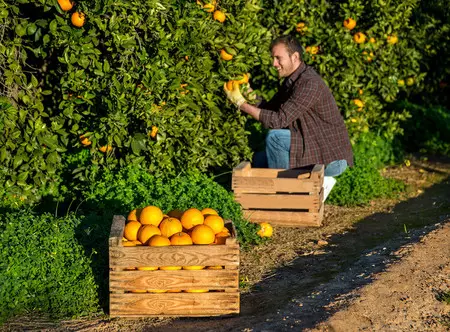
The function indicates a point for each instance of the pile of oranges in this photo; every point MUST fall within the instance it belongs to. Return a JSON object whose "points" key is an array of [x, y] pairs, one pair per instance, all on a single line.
{"points": [[151, 227]]}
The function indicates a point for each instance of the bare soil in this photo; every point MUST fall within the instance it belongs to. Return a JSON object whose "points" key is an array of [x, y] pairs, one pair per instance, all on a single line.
{"points": [[382, 267]]}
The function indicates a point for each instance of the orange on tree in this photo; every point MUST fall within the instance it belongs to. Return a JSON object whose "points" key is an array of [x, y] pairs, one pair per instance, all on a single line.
{"points": [[359, 38], [180, 239], [146, 232], [401, 83], [202, 234], [409, 81], [209, 8], [372, 40], [151, 215], [65, 5], [266, 229], [312, 49], [131, 230], [360, 91], [301, 27], [191, 217], [215, 222], [349, 23], [158, 241], [392, 39], [105, 148], [78, 19], [154, 132], [134, 215], [170, 226], [225, 56], [207, 211], [85, 141], [359, 103], [219, 16], [243, 80]]}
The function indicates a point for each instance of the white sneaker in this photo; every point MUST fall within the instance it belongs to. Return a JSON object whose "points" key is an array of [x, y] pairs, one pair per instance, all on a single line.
{"points": [[328, 184]]}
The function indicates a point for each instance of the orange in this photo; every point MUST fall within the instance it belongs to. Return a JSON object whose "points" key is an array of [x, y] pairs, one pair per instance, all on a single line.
{"points": [[170, 268], [158, 241], [151, 215], [410, 81], [128, 244], [65, 4], [207, 211], [131, 230], [85, 141], [137, 242], [266, 230], [138, 291], [157, 291], [209, 8], [392, 39], [301, 27], [401, 83], [372, 40], [197, 291], [170, 226], [219, 16], [147, 268], [312, 49], [192, 217], [193, 267], [225, 56], [243, 80], [358, 103], [146, 232], [226, 230], [78, 19], [216, 267], [202, 234], [180, 239], [221, 237], [229, 88], [105, 148], [134, 215], [350, 23], [215, 222], [359, 38], [176, 213]]}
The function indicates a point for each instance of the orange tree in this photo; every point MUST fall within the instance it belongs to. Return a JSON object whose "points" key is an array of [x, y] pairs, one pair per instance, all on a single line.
{"points": [[116, 82]]}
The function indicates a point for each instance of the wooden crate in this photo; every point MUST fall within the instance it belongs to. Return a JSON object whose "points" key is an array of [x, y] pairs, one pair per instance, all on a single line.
{"points": [[282, 197], [223, 297]]}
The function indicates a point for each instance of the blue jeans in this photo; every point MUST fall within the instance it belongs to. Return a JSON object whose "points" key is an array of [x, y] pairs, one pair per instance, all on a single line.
{"points": [[278, 147]]}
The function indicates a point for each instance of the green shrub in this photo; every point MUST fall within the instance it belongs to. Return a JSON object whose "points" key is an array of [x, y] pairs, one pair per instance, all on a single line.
{"points": [[43, 268], [364, 182], [428, 130]]}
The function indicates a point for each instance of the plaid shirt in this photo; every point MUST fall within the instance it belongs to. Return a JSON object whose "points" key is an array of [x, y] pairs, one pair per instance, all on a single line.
{"points": [[306, 106]]}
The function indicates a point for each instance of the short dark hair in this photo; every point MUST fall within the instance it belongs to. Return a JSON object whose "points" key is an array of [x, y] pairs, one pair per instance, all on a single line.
{"points": [[291, 43]]}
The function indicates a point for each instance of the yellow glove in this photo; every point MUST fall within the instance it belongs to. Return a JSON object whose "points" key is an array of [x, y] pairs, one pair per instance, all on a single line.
{"points": [[234, 95]]}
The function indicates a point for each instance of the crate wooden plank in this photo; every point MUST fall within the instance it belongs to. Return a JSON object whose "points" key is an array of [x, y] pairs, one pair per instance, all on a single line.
{"points": [[286, 218], [243, 169], [205, 255], [174, 304], [280, 201], [116, 234], [178, 279], [273, 185]]}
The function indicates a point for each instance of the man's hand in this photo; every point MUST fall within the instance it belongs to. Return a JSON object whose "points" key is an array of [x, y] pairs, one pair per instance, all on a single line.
{"points": [[234, 95]]}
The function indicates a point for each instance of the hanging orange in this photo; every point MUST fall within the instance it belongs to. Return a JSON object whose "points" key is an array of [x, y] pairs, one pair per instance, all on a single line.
{"points": [[78, 19]]}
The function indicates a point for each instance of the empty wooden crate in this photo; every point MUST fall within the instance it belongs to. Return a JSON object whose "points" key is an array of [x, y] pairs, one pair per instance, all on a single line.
{"points": [[141, 293], [282, 197]]}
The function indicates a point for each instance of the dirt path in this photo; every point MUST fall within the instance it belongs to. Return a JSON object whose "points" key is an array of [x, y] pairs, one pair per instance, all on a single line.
{"points": [[375, 268]]}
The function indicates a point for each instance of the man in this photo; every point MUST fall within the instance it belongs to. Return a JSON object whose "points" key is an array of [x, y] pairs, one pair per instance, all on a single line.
{"points": [[307, 127]]}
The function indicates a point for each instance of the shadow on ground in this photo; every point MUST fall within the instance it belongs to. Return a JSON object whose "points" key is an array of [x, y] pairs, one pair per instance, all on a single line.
{"points": [[297, 294]]}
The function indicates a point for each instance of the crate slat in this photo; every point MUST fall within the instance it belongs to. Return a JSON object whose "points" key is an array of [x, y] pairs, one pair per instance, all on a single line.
{"points": [[174, 304], [279, 201], [273, 185], [116, 234], [179, 279], [286, 218], [207, 255]]}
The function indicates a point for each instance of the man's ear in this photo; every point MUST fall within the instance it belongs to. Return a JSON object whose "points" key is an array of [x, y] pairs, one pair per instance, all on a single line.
{"points": [[296, 55]]}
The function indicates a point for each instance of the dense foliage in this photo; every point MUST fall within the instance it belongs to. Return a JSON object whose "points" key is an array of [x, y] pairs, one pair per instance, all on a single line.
{"points": [[43, 268]]}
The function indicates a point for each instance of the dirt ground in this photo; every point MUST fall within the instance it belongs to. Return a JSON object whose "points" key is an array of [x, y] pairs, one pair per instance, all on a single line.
{"points": [[383, 267]]}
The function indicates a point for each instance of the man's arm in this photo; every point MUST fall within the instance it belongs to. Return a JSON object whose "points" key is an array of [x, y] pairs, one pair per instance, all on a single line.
{"points": [[253, 111]]}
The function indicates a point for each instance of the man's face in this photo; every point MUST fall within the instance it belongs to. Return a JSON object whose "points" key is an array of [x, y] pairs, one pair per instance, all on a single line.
{"points": [[285, 64]]}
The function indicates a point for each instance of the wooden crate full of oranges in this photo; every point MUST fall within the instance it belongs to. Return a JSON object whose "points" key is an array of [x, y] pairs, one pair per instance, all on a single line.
{"points": [[179, 264]]}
